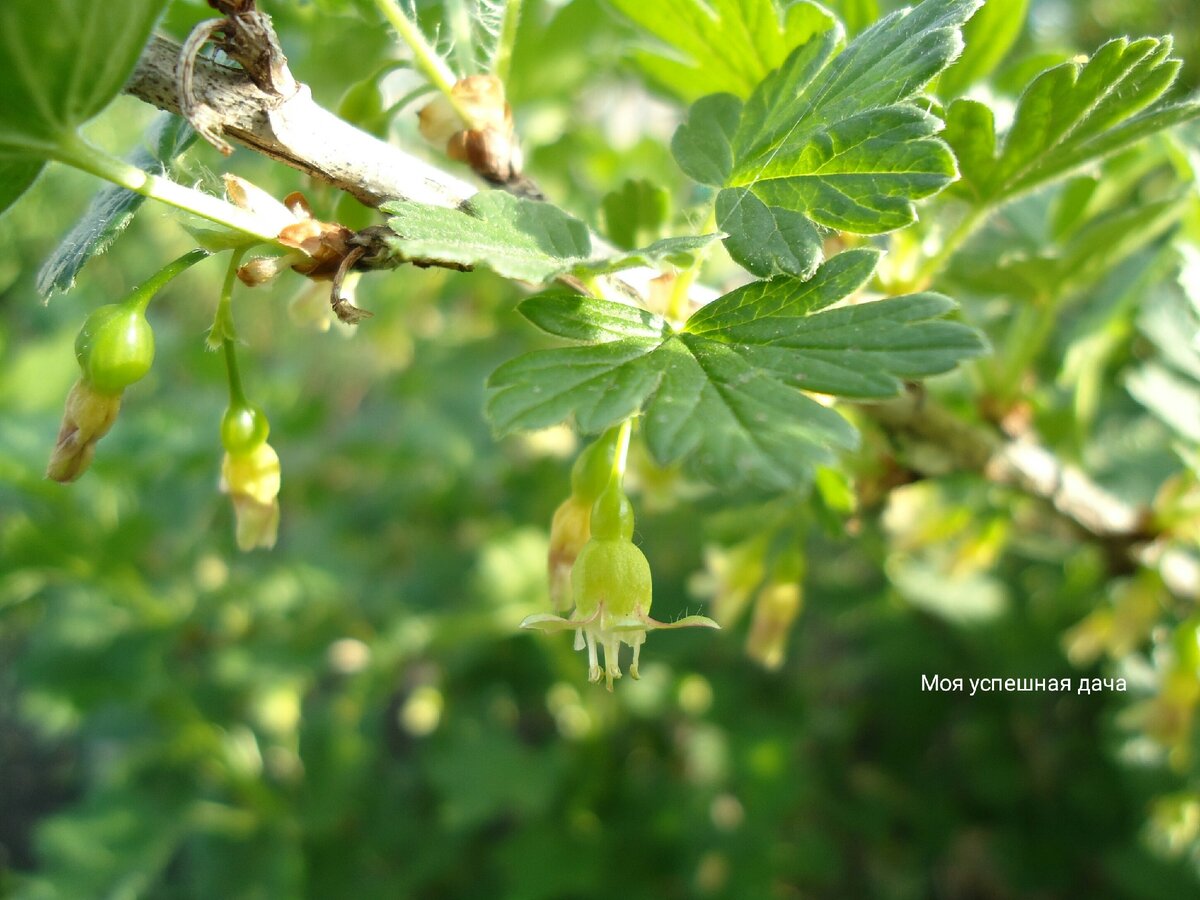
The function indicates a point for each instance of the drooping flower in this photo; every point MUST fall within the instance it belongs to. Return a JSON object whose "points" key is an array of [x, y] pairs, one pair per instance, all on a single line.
{"points": [[252, 480], [88, 416], [612, 589], [775, 609], [569, 533]]}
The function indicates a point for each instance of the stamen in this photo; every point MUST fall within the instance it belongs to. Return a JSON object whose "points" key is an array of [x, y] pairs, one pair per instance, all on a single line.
{"points": [[612, 660], [636, 643], [593, 662]]}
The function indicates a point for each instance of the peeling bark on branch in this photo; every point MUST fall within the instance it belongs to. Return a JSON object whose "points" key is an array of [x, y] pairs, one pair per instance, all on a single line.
{"points": [[296, 131]]}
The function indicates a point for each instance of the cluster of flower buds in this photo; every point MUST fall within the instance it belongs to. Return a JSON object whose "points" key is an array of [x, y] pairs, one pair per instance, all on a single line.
{"points": [[611, 588], [114, 348], [250, 475], [487, 142]]}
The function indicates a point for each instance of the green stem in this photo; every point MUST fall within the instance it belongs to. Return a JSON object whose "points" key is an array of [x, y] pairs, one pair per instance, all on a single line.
{"points": [[427, 59], [223, 331], [77, 152], [1026, 338], [143, 293], [502, 59], [237, 397], [959, 236]]}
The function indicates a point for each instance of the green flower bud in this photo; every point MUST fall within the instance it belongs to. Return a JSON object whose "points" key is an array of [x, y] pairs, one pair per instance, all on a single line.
{"points": [[115, 347], [243, 428]]}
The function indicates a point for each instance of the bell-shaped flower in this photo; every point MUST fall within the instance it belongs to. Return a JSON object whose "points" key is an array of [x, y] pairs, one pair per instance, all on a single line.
{"points": [[252, 481], [612, 590], [88, 416], [775, 609]]}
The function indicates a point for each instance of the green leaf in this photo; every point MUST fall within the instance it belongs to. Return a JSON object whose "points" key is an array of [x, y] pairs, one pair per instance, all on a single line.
{"points": [[678, 251], [515, 237], [988, 37], [833, 136], [767, 240], [703, 145], [17, 174], [714, 46], [1066, 267], [518, 238], [1069, 116], [841, 277], [636, 213], [1169, 384], [1171, 397], [724, 392], [582, 319], [113, 208], [64, 60]]}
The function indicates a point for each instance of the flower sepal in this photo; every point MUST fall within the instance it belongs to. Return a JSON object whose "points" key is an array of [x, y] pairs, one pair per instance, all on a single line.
{"points": [[609, 631]]}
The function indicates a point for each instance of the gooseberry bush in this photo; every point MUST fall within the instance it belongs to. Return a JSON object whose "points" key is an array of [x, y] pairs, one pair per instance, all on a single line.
{"points": [[893, 302]]}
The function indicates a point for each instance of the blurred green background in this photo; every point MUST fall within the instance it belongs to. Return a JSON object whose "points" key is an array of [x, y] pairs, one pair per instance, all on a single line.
{"points": [[354, 714]]}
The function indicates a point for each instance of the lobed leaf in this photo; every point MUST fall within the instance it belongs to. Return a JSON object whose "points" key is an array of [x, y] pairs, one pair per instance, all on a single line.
{"points": [[835, 137], [1070, 115], [518, 238], [767, 240], [712, 46], [725, 392], [636, 213]]}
